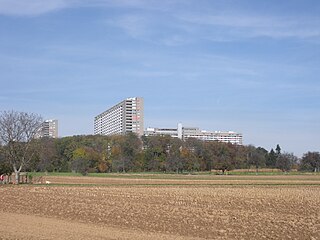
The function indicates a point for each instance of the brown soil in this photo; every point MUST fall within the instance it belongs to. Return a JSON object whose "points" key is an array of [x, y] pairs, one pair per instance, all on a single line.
{"points": [[156, 179], [119, 209]]}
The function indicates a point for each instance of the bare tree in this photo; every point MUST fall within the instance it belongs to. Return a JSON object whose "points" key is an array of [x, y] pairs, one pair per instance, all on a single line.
{"points": [[285, 161], [17, 132]]}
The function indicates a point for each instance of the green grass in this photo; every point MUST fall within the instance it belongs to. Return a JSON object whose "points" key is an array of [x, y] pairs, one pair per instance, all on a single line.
{"points": [[63, 174], [175, 176], [267, 173]]}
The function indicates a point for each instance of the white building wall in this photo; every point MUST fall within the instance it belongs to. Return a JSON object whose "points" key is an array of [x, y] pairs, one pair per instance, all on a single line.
{"points": [[126, 116], [194, 132], [49, 129]]}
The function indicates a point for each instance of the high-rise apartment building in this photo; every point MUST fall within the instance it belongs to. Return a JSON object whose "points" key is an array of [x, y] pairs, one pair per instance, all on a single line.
{"points": [[49, 129], [126, 116]]}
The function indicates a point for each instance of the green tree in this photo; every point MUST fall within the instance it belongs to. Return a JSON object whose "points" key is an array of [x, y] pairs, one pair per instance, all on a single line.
{"points": [[125, 150], [156, 152], [278, 150], [131, 149], [80, 165], [190, 159], [224, 159], [311, 161], [85, 159], [197, 161], [271, 159], [209, 154], [5, 167], [257, 157], [45, 156], [174, 160]]}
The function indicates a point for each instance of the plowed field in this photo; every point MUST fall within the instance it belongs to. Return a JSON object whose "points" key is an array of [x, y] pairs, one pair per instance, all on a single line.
{"points": [[180, 208]]}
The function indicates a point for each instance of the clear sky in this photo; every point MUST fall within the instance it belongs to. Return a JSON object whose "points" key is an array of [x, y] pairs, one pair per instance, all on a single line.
{"points": [[243, 65]]}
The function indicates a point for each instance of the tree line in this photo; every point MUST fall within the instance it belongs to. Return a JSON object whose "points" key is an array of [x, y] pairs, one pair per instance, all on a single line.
{"points": [[130, 153]]}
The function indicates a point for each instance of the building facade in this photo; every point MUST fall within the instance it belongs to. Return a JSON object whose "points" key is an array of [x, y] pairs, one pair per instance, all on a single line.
{"points": [[194, 132], [49, 129], [126, 116]]}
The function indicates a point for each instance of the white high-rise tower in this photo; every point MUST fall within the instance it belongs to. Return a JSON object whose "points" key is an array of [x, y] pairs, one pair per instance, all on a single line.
{"points": [[126, 116], [49, 129]]}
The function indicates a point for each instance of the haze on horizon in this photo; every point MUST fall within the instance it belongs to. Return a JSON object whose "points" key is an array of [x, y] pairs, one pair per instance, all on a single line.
{"points": [[242, 65]]}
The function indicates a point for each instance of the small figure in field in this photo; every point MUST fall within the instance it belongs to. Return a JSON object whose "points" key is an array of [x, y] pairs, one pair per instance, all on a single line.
{"points": [[2, 179]]}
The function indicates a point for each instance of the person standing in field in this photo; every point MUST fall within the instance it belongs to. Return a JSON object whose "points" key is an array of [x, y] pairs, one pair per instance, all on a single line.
{"points": [[2, 179]]}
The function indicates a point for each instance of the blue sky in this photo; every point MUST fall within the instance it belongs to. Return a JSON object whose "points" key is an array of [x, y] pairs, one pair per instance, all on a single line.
{"points": [[247, 66]]}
